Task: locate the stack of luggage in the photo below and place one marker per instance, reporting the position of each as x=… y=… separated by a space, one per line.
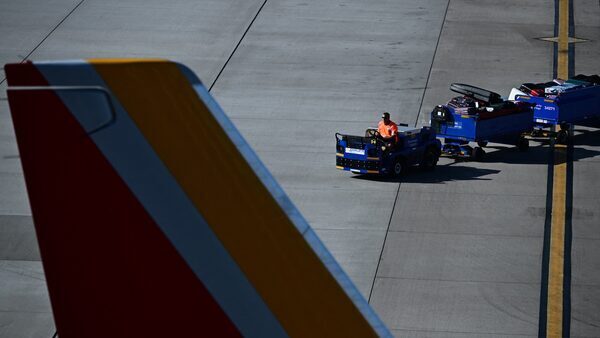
x=555 y=87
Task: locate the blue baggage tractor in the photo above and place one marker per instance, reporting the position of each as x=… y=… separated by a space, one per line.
x=480 y=116
x=372 y=154
x=576 y=102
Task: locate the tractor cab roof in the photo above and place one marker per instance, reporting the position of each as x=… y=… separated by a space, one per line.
x=408 y=130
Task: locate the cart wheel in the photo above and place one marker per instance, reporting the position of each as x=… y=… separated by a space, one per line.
x=482 y=143
x=523 y=144
x=430 y=159
x=398 y=168
x=478 y=154
x=562 y=137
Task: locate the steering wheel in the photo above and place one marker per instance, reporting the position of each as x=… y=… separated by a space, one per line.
x=372 y=133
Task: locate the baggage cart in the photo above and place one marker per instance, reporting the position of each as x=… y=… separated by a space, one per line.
x=480 y=116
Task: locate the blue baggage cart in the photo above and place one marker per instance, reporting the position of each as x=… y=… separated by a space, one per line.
x=576 y=102
x=480 y=116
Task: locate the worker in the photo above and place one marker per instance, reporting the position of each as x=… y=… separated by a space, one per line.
x=387 y=129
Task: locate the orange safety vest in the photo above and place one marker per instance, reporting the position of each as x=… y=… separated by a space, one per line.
x=387 y=131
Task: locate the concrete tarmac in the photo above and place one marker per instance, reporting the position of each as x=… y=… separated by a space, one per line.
x=452 y=253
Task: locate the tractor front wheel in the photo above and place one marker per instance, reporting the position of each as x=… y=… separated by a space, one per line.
x=398 y=167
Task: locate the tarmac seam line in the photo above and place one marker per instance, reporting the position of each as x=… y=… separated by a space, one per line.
x=464 y=234
x=480 y=193
x=432 y=62
x=25 y=312
x=296 y=119
x=456 y=280
x=237 y=45
x=387 y=231
x=463 y=332
x=48 y=35
x=11 y=260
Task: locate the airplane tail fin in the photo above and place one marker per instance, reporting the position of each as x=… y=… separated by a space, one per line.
x=156 y=219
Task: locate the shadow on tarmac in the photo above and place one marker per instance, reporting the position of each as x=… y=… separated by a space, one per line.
x=540 y=153
x=585 y=137
x=448 y=173
x=442 y=173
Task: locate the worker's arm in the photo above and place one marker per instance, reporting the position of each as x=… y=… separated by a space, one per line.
x=393 y=130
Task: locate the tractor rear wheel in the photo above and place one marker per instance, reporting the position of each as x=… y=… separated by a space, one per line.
x=430 y=159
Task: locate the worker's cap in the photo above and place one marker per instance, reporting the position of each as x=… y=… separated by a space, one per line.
x=385 y=115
